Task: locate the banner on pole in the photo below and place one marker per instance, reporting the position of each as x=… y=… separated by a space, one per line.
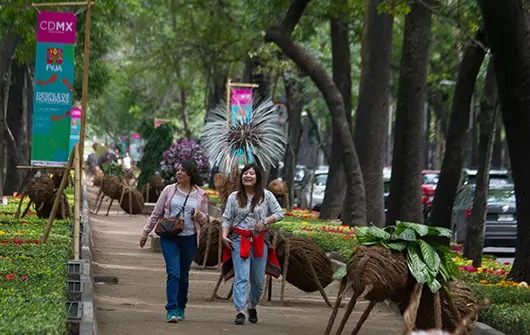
x=75 y=127
x=136 y=147
x=54 y=77
x=242 y=111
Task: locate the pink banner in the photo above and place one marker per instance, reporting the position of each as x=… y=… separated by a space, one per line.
x=241 y=97
x=76 y=113
x=56 y=27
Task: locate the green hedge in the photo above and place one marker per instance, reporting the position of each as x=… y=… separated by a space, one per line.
x=509 y=319
x=33 y=291
x=331 y=237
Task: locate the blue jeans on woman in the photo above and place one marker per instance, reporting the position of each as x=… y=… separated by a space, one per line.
x=178 y=252
x=251 y=269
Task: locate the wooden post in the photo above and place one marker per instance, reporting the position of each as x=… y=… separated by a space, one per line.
x=56 y=4
x=84 y=97
x=58 y=198
x=77 y=202
x=228 y=100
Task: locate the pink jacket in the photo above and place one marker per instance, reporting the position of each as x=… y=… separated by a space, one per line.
x=162 y=209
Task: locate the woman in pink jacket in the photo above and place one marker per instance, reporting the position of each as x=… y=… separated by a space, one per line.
x=180 y=250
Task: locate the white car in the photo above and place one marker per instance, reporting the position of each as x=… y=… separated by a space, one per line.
x=318 y=187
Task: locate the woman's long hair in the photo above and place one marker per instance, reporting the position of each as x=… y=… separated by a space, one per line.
x=192 y=169
x=259 y=194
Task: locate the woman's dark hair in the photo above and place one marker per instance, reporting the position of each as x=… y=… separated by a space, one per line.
x=192 y=169
x=259 y=194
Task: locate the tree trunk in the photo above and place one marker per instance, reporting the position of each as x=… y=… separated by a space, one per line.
x=216 y=86
x=295 y=104
x=474 y=135
x=409 y=142
x=335 y=203
x=281 y=36
x=508 y=34
x=30 y=89
x=457 y=134
x=334 y=199
x=13 y=127
x=474 y=243
x=371 y=119
x=496 y=157
x=440 y=144
x=427 y=137
x=254 y=73
x=9 y=43
x=184 y=112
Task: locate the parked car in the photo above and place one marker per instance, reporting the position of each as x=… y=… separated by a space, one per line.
x=300 y=172
x=497 y=177
x=316 y=184
x=428 y=187
x=501 y=220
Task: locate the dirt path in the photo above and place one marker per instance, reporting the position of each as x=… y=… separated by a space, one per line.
x=136 y=304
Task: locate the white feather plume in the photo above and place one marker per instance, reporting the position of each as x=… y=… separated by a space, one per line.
x=263 y=136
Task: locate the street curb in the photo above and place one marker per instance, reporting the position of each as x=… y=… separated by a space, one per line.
x=88 y=324
x=484 y=329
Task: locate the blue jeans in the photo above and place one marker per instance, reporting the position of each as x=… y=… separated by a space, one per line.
x=178 y=253
x=253 y=269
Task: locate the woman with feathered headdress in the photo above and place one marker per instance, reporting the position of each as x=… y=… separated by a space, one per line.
x=259 y=139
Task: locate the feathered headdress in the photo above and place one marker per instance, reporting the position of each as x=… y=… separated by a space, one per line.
x=260 y=139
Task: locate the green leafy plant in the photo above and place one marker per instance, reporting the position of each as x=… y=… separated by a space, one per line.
x=429 y=264
x=158 y=140
x=114 y=169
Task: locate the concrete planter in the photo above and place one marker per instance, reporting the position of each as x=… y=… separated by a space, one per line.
x=81 y=313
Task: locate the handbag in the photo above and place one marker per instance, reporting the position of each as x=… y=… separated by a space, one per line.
x=168 y=227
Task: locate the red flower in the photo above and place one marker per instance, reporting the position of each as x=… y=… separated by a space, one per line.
x=11 y=276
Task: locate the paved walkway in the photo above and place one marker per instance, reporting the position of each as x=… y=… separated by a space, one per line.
x=136 y=304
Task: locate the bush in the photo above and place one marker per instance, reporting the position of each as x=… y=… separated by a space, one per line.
x=501 y=294
x=33 y=291
x=330 y=237
x=509 y=319
x=180 y=151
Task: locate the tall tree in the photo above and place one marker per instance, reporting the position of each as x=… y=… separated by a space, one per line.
x=334 y=204
x=508 y=32
x=372 y=110
x=281 y=36
x=295 y=104
x=496 y=156
x=9 y=43
x=14 y=127
x=457 y=134
x=474 y=243
x=405 y=185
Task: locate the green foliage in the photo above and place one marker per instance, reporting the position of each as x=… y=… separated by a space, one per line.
x=114 y=169
x=394 y=7
x=509 y=319
x=158 y=141
x=429 y=264
x=501 y=294
x=329 y=237
x=33 y=290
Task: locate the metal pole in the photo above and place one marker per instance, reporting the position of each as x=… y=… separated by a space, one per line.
x=77 y=202
x=84 y=97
